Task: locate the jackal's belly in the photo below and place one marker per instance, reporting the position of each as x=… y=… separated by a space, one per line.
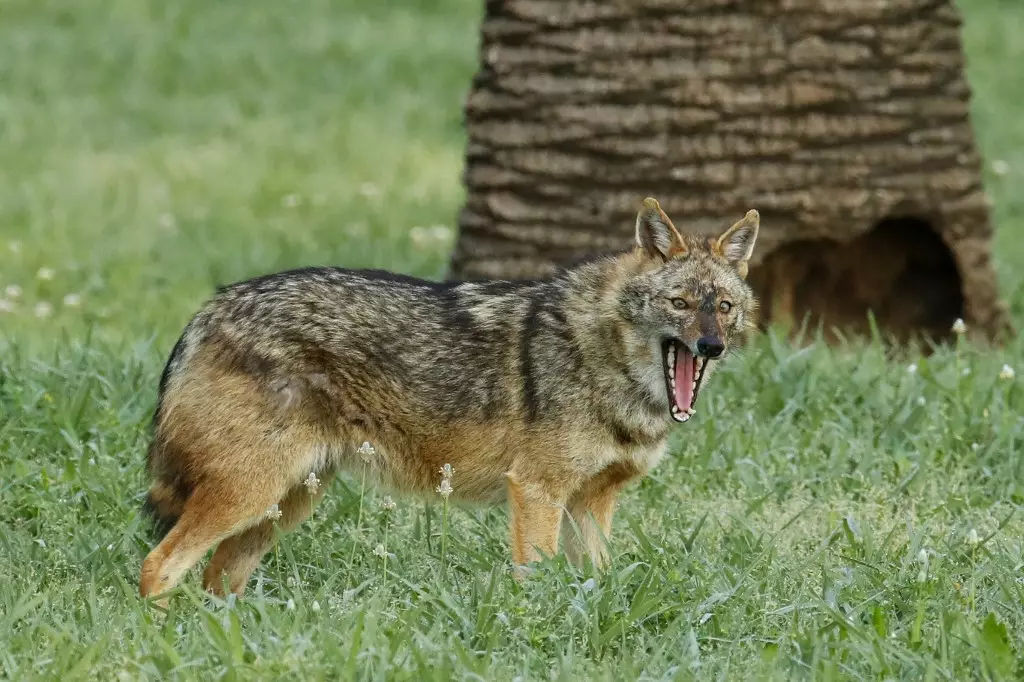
x=555 y=459
x=481 y=454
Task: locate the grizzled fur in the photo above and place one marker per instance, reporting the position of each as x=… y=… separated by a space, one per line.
x=549 y=394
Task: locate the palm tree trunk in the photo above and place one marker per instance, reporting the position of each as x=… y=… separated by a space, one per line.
x=844 y=122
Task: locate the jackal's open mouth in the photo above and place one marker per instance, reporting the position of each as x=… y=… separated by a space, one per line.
x=683 y=374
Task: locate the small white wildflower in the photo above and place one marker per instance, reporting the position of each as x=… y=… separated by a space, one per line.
x=312 y=483
x=445 y=489
x=43 y=309
x=379 y=551
x=315 y=606
x=73 y=300
x=387 y=504
x=418 y=235
x=975 y=446
x=1007 y=373
x=959 y=327
x=368 y=189
x=922 y=558
x=273 y=512
x=291 y=200
x=425 y=236
x=912 y=368
x=966 y=371
x=921 y=400
x=45 y=273
x=290 y=605
x=441 y=233
x=12 y=291
x=14 y=247
x=6 y=306
x=972 y=537
x=1000 y=167
x=367 y=451
x=447 y=471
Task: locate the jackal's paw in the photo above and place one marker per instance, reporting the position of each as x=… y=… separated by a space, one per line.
x=523 y=571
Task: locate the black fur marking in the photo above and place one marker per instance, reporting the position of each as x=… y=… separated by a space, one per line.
x=531 y=402
x=558 y=325
x=623 y=436
x=165 y=376
x=459 y=318
x=473 y=340
x=179 y=347
x=161 y=524
x=709 y=303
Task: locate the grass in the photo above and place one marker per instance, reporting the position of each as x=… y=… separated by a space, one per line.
x=829 y=514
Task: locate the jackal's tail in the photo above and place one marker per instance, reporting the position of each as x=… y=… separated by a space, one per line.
x=164 y=503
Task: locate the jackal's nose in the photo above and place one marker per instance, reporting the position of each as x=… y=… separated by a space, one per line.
x=709 y=347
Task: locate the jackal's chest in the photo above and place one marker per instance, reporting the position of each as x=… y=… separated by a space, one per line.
x=640 y=455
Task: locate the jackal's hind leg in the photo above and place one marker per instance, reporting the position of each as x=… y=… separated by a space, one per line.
x=211 y=514
x=238 y=556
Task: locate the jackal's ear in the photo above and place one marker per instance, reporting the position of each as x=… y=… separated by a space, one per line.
x=737 y=244
x=656 y=234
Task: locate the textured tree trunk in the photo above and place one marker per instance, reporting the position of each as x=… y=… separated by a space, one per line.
x=844 y=122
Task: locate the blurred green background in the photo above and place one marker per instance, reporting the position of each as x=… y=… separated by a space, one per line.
x=152 y=150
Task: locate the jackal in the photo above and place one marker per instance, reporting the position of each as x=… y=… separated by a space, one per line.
x=550 y=394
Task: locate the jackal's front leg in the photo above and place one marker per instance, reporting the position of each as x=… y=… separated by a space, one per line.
x=591 y=509
x=534 y=520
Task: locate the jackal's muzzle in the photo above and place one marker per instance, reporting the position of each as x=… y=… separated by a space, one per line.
x=683 y=374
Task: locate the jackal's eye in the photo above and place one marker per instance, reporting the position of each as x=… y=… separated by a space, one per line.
x=725 y=306
x=678 y=303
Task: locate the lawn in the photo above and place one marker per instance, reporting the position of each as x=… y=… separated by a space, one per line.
x=830 y=513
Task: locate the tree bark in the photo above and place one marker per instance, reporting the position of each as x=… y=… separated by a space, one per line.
x=844 y=122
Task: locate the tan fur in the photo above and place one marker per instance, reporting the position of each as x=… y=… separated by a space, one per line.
x=547 y=395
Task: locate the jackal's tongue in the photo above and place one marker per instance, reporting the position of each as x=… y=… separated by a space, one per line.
x=684 y=377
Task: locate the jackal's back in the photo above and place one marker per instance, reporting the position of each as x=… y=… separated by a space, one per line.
x=448 y=348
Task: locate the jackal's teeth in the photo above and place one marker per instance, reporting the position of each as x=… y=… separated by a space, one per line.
x=691 y=411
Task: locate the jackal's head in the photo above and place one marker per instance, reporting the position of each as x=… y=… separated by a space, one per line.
x=689 y=300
